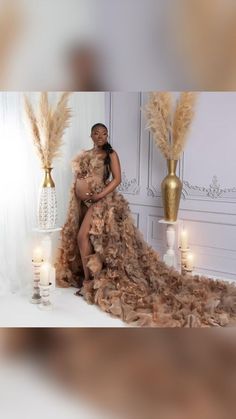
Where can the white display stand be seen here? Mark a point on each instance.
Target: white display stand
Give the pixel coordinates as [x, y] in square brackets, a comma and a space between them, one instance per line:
[170, 256]
[47, 250]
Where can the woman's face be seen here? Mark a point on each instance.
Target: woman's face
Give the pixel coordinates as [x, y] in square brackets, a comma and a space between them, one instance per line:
[99, 136]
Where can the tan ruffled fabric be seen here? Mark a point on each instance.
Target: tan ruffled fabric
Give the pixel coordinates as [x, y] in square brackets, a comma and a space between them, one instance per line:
[129, 280]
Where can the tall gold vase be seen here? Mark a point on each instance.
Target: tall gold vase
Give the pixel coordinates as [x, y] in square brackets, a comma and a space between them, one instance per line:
[48, 180]
[171, 188]
[47, 207]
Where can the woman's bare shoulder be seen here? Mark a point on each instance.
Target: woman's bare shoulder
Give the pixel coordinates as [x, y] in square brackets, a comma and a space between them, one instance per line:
[114, 154]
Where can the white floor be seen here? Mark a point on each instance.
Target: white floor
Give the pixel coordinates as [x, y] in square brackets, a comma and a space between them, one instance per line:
[68, 311]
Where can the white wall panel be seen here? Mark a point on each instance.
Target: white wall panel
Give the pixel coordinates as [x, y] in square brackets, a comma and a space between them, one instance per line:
[207, 169]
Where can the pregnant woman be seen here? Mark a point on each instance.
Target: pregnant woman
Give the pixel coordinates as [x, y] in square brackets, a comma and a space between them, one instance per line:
[104, 255]
[91, 184]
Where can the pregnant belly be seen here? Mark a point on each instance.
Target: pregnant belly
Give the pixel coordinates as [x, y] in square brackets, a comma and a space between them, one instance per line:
[81, 189]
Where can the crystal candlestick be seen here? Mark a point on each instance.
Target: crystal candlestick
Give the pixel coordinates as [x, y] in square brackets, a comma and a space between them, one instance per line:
[45, 294]
[36, 297]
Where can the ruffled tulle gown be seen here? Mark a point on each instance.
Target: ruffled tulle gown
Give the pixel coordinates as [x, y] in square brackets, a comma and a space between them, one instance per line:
[129, 280]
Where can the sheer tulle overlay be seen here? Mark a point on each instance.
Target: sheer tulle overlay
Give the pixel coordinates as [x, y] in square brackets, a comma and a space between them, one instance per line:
[128, 278]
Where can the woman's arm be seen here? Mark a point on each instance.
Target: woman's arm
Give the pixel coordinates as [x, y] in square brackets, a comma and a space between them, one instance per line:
[116, 178]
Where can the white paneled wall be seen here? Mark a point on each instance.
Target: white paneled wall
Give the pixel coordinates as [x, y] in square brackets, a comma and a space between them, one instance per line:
[207, 169]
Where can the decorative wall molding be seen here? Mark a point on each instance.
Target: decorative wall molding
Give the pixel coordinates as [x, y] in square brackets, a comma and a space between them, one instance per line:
[128, 186]
[152, 191]
[138, 169]
[135, 216]
[132, 186]
[155, 226]
[213, 192]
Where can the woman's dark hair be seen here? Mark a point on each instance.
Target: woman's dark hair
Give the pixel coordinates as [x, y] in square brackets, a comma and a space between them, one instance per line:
[99, 124]
[107, 161]
[109, 150]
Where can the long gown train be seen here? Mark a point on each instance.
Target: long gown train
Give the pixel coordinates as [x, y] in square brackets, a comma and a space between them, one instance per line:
[128, 278]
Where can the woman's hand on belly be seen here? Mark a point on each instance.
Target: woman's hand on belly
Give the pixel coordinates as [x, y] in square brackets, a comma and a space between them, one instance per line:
[94, 197]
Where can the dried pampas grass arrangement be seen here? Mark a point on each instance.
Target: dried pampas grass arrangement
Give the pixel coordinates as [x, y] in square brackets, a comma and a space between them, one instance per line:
[182, 121]
[48, 126]
[170, 125]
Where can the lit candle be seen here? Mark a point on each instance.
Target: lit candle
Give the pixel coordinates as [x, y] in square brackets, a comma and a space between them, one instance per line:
[37, 255]
[45, 273]
[184, 239]
[189, 261]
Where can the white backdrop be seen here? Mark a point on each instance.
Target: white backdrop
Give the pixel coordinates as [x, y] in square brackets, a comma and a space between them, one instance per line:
[21, 175]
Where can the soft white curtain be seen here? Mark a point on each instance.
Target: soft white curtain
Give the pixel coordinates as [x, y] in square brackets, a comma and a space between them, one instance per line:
[21, 176]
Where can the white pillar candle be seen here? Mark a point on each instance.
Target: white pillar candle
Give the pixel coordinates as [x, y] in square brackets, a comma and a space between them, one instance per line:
[37, 255]
[184, 239]
[189, 261]
[45, 273]
[53, 278]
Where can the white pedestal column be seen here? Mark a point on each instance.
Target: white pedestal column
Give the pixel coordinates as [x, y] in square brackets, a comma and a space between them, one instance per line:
[170, 257]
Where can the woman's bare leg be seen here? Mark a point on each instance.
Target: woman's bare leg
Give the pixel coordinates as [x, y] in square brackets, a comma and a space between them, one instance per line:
[84, 244]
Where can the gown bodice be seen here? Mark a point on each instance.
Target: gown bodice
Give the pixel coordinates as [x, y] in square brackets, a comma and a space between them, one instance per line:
[89, 166]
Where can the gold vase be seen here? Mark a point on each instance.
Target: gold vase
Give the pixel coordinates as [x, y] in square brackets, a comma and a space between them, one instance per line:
[171, 188]
[48, 181]
[47, 207]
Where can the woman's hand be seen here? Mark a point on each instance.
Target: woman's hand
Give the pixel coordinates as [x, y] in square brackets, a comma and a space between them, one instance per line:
[96, 197]
[93, 197]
